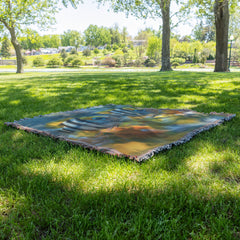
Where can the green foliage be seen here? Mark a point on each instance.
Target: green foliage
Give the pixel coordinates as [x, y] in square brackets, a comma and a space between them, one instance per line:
[124, 35]
[126, 59]
[17, 14]
[234, 25]
[205, 33]
[115, 47]
[150, 62]
[138, 62]
[119, 60]
[97, 36]
[77, 62]
[73, 61]
[125, 50]
[31, 40]
[51, 41]
[71, 38]
[175, 64]
[54, 62]
[86, 52]
[195, 58]
[192, 50]
[63, 54]
[74, 51]
[5, 49]
[97, 62]
[68, 60]
[105, 51]
[118, 52]
[96, 50]
[38, 62]
[178, 60]
[115, 35]
[145, 35]
[109, 47]
[154, 48]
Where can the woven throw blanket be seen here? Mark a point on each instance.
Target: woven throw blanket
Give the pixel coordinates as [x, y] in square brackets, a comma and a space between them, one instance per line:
[123, 130]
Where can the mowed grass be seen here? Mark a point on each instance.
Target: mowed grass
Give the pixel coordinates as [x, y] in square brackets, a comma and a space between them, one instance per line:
[53, 190]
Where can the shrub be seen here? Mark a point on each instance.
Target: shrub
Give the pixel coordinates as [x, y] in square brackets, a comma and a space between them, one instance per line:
[126, 59]
[125, 50]
[203, 59]
[115, 46]
[97, 62]
[105, 52]
[74, 51]
[76, 62]
[138, 62]
[119, 60]
[38, 62]
[178, 60]
[109, 61]
[109, 48]
[118, 52]
[68, 60]
[175, 64]
[96, 50]
[86, 52]
[131, 46]
[54, 62]
[150, 62]
[63, 54]
[130, 63]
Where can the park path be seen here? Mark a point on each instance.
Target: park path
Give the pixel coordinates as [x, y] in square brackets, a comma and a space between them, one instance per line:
[109, 70]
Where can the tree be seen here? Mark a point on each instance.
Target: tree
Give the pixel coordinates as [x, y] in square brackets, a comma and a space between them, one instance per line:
[15, 15]
[31, 41]
[72, 38]
[144, 35]
[5, 49]
[97, 36]
[144, 9]
[124, 35]
[221, 10]
[205, 32]
[51, 41]
[115, 35]
[165, 9]
[234, 25]
[154, 48]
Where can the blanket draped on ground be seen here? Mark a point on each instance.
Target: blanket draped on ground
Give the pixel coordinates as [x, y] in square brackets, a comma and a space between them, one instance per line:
[123, 130]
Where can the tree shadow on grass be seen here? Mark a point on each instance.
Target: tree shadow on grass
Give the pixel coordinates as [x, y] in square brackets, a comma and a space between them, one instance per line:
[38, 95]
[110, 198]
[42, 206]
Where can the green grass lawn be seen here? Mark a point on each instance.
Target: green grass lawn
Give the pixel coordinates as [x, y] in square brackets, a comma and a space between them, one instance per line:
[53, 190]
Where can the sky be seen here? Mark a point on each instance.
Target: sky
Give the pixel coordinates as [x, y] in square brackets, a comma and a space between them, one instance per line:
[88, 13]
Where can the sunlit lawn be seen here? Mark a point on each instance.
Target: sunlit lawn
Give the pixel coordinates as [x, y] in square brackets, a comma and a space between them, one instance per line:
[52, 190]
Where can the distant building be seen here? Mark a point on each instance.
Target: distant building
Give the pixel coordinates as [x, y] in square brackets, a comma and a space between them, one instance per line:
[137, 43]
[82, 48]
[48, 50]
[67, 48]
[33, 52]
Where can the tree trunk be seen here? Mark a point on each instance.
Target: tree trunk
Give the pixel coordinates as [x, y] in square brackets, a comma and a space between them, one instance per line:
[165, 8]
[221, 12]
[17, 48]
